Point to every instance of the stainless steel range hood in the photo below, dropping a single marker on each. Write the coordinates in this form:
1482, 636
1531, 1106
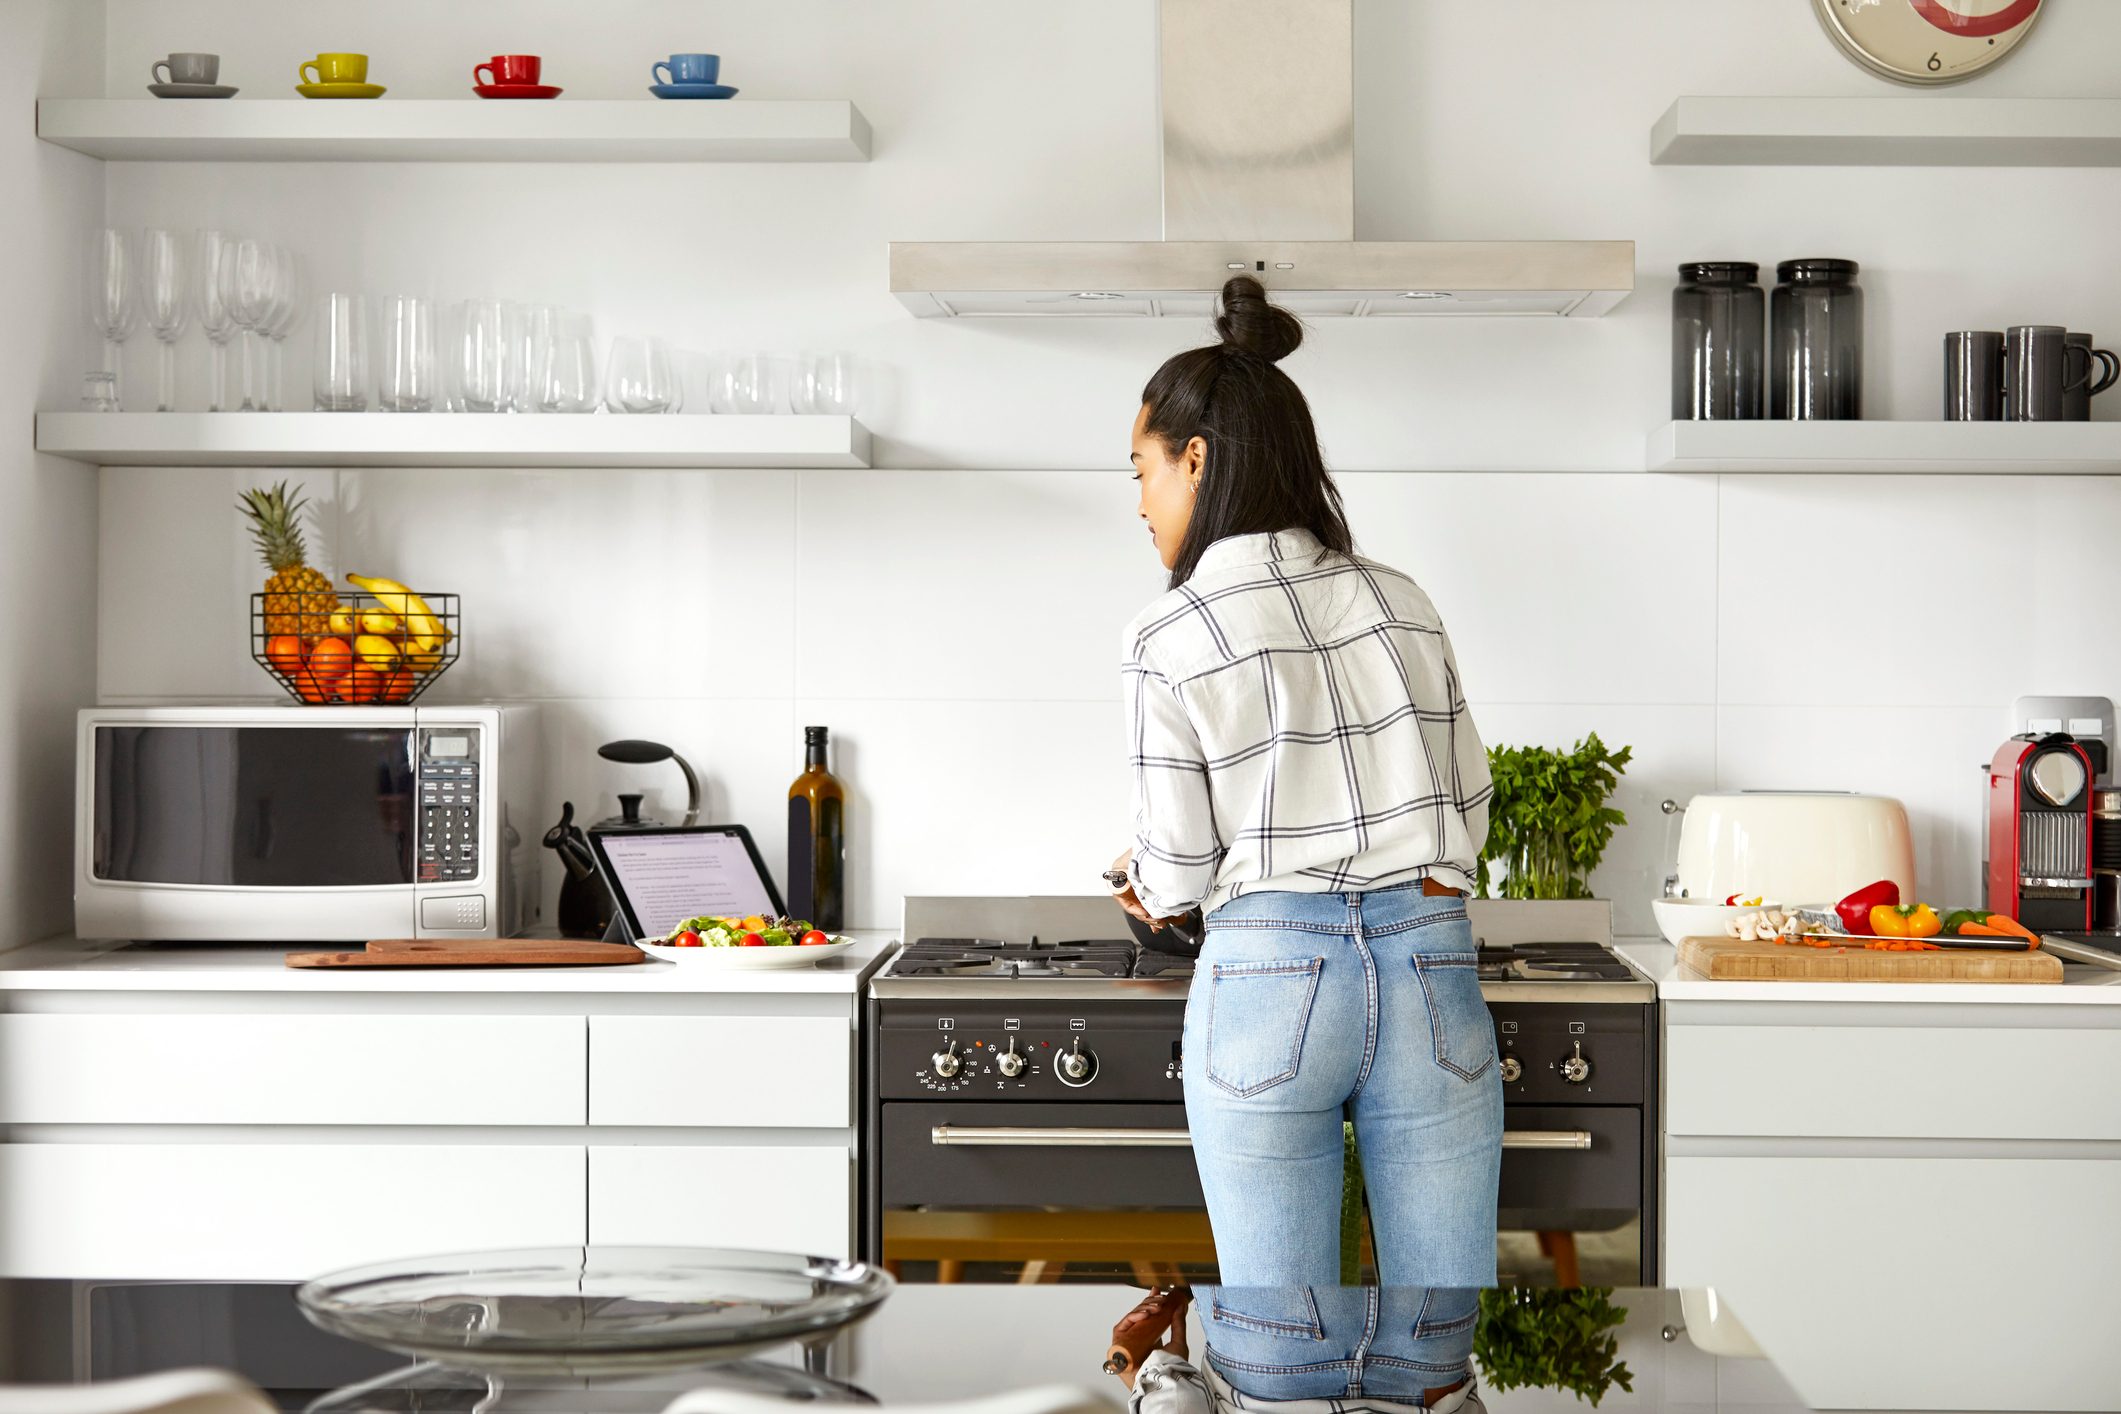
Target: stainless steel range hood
1260, 179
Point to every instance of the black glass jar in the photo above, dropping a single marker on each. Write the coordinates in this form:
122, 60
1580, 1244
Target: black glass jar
1718, 312
1815, 341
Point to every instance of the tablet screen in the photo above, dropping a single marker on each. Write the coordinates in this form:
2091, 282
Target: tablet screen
663, 879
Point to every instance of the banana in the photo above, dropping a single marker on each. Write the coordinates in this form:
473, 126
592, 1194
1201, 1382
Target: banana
378, 652
424, 633
380, 622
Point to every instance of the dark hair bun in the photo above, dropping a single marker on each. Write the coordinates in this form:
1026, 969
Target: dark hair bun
1248, 323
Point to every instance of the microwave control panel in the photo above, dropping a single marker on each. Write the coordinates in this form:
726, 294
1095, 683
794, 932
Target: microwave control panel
449, 803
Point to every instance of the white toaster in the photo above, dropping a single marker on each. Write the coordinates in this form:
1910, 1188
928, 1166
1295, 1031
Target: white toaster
1794, 847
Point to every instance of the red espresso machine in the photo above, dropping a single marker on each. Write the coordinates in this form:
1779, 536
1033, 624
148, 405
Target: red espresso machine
2040, 809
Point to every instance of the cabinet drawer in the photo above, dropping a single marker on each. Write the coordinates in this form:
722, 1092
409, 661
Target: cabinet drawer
275, 1212
780, 1072
779, 1199
253, 1068
1895, 1082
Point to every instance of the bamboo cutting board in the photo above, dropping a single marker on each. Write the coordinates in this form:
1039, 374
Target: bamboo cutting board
473, 952
1729, 960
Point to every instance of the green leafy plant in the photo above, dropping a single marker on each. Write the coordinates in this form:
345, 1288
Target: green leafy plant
1549, 823
1552, 1339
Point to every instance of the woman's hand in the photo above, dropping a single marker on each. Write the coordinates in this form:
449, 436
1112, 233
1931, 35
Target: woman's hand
1160, 1313
1125, 896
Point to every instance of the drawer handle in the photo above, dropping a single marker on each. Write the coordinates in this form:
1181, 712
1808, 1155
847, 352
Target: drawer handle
1017, 1137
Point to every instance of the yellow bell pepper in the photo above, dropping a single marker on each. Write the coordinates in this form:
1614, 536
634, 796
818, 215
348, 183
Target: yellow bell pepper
1907, 920
1887, 921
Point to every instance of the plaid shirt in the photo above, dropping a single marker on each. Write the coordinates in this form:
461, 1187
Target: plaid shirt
1296, 722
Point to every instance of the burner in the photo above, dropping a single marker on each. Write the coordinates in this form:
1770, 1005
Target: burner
1550, 962
996, 957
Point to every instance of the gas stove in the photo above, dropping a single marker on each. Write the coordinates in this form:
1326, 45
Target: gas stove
1024, 1056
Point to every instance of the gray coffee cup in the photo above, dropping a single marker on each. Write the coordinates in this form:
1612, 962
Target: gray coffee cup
188, 68
1973, 375
2038, 372
2086, 373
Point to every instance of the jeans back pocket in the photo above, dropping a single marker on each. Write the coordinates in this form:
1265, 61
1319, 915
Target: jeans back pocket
1459, 1021
1257, 1015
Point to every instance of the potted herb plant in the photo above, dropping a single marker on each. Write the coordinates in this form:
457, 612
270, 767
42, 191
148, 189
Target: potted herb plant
1552, 1339
1549, 824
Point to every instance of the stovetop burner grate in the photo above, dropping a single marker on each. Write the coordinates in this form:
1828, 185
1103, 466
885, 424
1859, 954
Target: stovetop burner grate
996, 957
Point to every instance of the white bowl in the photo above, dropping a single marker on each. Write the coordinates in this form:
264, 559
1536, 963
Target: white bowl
1679, 918
748, 959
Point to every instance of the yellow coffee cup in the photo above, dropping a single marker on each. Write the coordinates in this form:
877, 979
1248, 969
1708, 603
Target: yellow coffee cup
336, 68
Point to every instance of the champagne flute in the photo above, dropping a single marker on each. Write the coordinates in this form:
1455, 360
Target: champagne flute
246, 276
215, 321
112, 305
163, 284
283, 314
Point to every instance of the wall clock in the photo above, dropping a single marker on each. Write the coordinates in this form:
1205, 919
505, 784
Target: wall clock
1927, 41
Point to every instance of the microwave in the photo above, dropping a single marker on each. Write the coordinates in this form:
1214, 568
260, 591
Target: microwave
304, 824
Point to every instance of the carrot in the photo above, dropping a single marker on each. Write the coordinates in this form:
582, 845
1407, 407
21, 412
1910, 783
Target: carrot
2012, 928
1982, 930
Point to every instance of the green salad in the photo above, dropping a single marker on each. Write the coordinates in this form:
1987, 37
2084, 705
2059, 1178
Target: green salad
713, 931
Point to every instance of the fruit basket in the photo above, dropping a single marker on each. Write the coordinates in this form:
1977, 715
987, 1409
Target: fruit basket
382, 643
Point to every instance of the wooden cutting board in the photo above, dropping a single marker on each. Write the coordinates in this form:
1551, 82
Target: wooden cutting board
1729, 960
474, 952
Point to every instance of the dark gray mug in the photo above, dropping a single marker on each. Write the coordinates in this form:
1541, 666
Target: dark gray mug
2087, 372
2037, 372
187, 68
1973, 375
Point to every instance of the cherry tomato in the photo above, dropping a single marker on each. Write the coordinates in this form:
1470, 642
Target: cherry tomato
814, 939
751, 940
688, 939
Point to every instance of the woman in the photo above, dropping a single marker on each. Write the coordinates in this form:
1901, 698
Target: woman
1305, 772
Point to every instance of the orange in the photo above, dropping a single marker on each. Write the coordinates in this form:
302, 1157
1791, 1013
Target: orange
331, 659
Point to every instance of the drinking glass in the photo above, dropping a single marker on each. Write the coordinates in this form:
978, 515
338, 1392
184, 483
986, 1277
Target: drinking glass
641, 377
283, 312
112, 302
99, 392
530, 344
824, 383
214, 319
567, 369
162, 288
482, 355
245, 274
408, 383
341, 371
742, 383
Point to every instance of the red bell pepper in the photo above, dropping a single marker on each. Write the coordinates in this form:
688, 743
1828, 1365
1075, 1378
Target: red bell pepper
1855, 910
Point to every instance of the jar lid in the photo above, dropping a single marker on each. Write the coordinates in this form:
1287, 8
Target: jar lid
1811, 271
1742, 272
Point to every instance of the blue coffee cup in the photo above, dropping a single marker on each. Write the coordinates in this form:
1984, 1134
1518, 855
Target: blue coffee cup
687, 68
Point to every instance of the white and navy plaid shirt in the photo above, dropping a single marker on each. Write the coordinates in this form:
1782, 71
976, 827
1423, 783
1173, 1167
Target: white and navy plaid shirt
1297, 723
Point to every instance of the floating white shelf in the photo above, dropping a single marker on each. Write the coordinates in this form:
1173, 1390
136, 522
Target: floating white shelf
449, 439
1986, 448
456, 130
1883, 132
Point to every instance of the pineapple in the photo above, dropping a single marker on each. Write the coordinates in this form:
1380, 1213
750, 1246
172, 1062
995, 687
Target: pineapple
298, 597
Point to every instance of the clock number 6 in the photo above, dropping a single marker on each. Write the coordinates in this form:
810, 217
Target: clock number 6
1934, 64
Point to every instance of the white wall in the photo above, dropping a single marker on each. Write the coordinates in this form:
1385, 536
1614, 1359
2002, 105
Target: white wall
953, 615
54, 200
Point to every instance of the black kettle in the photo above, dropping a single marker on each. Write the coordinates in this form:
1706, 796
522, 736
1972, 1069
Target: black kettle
585, 904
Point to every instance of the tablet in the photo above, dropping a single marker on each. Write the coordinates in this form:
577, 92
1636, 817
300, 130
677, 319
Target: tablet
662, 876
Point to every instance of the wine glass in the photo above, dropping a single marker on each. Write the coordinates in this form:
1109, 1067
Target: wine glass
112, 302
163, 265
214, 318
245, 275
641, 377
825, 384
283, 313
567, 370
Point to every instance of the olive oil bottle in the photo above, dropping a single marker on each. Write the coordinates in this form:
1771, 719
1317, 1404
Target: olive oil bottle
817, 840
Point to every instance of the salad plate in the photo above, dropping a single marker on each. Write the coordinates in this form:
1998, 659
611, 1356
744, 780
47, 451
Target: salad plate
714, 941
742, 959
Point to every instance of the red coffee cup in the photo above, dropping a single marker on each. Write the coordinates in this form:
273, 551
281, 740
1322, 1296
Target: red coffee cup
506, 69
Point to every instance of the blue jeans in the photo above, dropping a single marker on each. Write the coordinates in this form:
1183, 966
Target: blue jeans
1336, 1342
1308, 1007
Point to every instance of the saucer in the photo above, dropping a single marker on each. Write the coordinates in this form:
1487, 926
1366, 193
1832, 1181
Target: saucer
515, 90
692, 90
340, 90
191, 90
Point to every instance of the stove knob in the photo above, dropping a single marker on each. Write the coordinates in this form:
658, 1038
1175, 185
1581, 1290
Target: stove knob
1512, 1070
1575, 1069
1009, 1062
1078, 1065
946, 1062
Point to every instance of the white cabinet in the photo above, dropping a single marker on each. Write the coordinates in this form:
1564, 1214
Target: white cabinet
261, 1068
275, 1211
712, 1071
781, 1198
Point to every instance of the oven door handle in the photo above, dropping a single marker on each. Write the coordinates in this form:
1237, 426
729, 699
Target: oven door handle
1017, 1137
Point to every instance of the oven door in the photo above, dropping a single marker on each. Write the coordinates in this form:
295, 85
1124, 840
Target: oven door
1028, 1192
212, 830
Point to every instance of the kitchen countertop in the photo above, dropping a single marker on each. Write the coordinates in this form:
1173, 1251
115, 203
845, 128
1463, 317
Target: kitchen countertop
70, 964
2082, 985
